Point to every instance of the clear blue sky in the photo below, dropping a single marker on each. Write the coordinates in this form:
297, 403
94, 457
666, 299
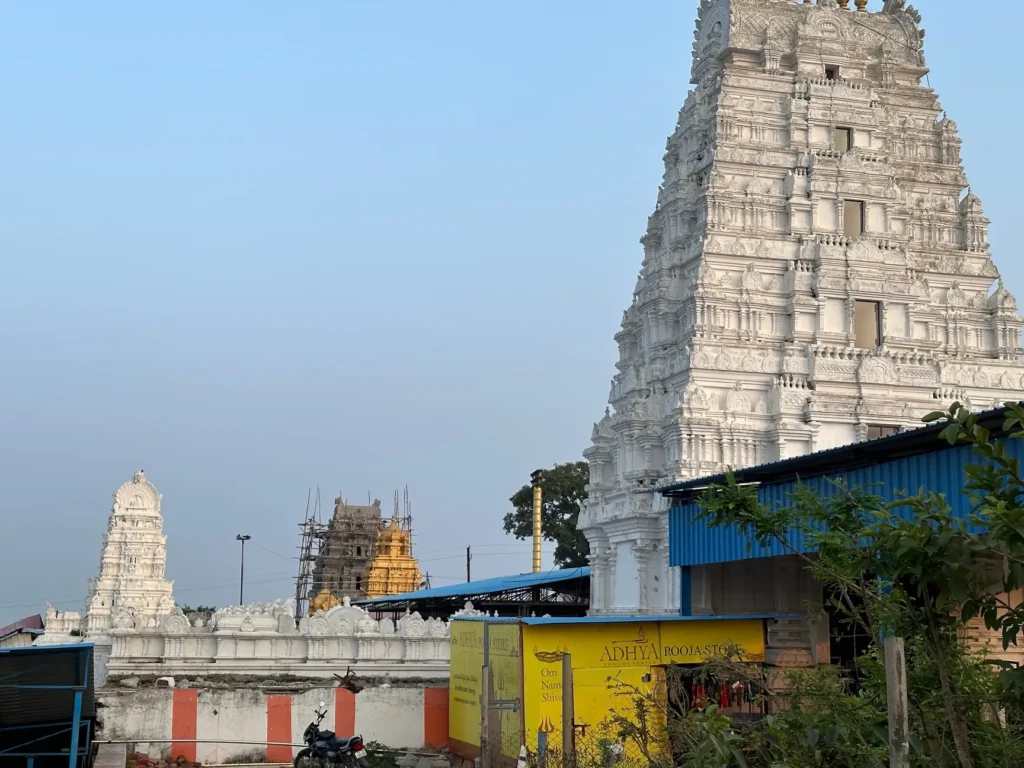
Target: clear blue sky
254, 247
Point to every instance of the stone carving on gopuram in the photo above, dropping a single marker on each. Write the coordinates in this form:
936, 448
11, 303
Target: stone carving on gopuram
816, 272
130, 589
131, 581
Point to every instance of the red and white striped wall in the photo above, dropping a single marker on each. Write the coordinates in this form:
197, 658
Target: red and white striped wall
397, 717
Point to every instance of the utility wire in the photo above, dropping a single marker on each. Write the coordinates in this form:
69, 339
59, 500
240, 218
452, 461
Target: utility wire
263, 579
272, 552
525, 548
193, 588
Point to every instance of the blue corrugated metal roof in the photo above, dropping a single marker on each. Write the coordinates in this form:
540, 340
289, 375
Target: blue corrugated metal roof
486, 586
692, 542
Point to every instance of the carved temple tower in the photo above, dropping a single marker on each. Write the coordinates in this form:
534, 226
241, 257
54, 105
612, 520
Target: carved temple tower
131, 584
130, 591
364, 556
343, 565
394, 570
816, 272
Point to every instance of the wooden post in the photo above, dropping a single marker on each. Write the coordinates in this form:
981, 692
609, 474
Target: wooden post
568, 715
896, 700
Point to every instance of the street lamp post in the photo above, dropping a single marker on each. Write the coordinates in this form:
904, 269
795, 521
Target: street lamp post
242, 537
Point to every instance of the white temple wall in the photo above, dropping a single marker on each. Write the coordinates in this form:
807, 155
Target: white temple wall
805, 322
234, 715
835, 316
410, 716
825, 217
625, 583
142, 716
392, 716
895, 320
658, 585
257, 640
874, 218
833, 435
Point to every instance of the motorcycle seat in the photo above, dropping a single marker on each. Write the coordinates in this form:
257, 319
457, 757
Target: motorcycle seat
339, 744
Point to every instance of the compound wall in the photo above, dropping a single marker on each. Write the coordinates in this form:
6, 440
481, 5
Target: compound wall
162, 721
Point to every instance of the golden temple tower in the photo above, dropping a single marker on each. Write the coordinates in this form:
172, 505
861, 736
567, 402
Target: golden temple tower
394, 570
323, 602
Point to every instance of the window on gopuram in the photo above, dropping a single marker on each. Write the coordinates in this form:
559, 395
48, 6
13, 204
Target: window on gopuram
876, 431
842, 139
867, 324
853, 218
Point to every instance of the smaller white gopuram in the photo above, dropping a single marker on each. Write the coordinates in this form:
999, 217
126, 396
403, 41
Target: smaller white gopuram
130, 585
131, 581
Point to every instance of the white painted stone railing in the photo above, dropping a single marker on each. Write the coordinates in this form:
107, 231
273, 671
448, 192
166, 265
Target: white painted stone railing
263, 640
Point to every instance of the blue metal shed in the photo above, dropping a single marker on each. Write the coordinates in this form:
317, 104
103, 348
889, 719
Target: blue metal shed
47, 706
889, 467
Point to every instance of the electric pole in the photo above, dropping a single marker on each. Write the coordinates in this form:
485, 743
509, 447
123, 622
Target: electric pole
242, 537
469, 558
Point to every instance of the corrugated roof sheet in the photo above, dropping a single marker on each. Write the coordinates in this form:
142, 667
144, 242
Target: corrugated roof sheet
33, 623
37, 685
939, 469
485, 586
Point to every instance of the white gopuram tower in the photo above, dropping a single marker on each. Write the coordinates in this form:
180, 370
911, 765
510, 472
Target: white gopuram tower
131, 589
816, 272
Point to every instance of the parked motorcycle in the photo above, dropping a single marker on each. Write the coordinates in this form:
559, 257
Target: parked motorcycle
325, 750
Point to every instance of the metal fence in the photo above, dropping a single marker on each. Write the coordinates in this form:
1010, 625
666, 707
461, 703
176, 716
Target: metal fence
504, 700
594, 748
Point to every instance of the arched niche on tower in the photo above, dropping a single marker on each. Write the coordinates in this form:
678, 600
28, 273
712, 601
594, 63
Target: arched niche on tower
712, 33
137, 497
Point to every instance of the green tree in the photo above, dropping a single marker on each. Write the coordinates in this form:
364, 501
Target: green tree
565, 489
186, 609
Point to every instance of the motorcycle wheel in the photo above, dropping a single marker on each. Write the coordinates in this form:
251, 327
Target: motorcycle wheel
306, 759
